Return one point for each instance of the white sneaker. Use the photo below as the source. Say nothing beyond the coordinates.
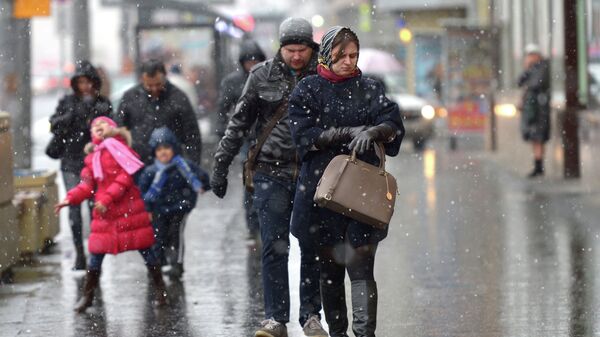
(271, 328)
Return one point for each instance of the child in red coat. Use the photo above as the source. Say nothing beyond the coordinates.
(119, 219)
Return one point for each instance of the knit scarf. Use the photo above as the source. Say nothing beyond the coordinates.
(123, 154)
(161, 177)
(329, 75)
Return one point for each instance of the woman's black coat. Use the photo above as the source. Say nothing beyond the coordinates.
(317, 104)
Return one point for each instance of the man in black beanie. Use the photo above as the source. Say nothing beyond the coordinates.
(266, 92)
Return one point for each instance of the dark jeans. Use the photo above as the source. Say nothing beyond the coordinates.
(251, 214)
(149, 259)
(71, 179)
(273, 201)
(336, 260)
(168, 231)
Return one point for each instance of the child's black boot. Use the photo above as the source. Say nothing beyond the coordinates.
(160, 290)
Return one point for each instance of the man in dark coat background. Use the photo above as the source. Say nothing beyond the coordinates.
(155, 103)
(230, 91)
(71, 124)
(535, 109)
(269, 85)
(233, 84)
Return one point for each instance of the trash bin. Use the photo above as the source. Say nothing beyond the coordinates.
(44, 183)
(6, 160)
(9, 237)
(28, 204)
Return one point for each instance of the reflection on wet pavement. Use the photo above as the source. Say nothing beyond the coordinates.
(473, 251)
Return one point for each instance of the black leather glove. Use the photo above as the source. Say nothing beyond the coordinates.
(218, 182)
(337, 136)
(365, 139)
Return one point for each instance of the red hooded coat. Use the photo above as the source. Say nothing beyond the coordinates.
(125, 225)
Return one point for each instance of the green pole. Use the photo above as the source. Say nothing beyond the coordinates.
(582, 64)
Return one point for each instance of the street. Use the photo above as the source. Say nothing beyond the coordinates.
(473, 250)
(495, 231)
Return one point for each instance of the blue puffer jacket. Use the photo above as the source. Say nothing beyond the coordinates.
(175, 192)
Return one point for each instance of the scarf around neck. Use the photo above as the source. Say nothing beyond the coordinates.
(329, 75)
(122, 153)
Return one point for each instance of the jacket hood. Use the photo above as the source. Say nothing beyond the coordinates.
(164, 135)
(85, 68)
(250, 50)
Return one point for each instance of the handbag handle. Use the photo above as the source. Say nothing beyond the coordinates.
(379, 151)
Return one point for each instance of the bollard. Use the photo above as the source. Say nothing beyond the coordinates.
(44, 183)
(9, 241)
(28, 205)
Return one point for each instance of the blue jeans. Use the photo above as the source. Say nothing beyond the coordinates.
(71, 179)
(273, 201)
(150, 259)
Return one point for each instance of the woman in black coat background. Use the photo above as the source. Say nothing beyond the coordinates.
(330, 114)
(71, 123)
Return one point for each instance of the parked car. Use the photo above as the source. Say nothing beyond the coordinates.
(417, 113)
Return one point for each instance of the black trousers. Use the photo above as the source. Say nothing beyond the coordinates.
(168, 232)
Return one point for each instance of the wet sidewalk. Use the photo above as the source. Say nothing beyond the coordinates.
(474, 250)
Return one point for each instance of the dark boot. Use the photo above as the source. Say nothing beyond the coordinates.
(89, 287)
(79, 259)
(364, 308)
(334, 307)
(160, 290)
(538, 169)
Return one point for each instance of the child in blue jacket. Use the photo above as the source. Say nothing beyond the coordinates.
(170, 189)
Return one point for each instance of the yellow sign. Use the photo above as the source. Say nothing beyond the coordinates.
(25, 9)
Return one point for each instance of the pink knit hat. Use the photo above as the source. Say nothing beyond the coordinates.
(106, 119)
(110, 122)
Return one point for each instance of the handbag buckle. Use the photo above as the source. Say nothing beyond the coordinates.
(328, 196)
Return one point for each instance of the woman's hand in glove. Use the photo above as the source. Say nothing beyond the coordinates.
(337, 136)
(365, 139)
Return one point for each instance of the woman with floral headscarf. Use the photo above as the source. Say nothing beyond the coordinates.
(333, 113)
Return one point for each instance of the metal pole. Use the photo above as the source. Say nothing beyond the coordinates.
(570, 120)
(81, 31)
(15, 78)
(492, 95)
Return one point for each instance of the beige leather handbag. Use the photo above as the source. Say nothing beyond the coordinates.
(359, 190)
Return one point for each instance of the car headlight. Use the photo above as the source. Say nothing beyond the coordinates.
(428, 112)
(505, 110)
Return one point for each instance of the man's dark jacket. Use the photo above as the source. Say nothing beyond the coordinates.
(74, 113)
(142, 114)
(269, 85)
(233, 84)
(231, 89)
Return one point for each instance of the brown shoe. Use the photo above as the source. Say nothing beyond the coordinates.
(160, 290)
(89, 287)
